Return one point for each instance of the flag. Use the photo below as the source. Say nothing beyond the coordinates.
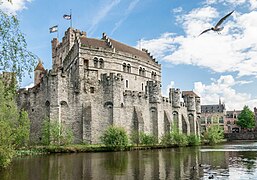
(67, 17)
(53, 29)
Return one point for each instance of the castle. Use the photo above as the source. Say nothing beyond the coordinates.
(95, 83)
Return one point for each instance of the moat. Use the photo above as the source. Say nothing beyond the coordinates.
(226, 161)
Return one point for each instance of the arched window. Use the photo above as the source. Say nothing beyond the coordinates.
(124, 67)
(140, 71)
(128, 68)
(143, 72)
(101, 63)
(95, 62)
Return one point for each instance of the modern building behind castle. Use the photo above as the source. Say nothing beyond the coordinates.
(95, 83)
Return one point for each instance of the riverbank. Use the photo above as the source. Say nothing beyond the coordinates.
(78, 148)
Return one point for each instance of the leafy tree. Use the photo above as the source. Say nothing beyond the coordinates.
(14, 126)
(246, 118)
(14, 55)
(115, 138)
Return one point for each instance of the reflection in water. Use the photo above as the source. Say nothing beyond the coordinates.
(178, 163)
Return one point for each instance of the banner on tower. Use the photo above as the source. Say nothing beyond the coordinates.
(53, 29)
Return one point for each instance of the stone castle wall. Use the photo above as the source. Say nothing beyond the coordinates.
(93, 86)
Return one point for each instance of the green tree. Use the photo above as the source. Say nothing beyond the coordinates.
(115, 138)
(14, 55)
(246, 118)
(14, 126)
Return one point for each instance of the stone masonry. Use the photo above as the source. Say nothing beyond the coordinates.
(95, 83)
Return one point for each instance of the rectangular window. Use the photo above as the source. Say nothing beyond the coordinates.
(127, 84)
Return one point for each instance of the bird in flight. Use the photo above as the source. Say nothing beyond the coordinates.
(217, 27)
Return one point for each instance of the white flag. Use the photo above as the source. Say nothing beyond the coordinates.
(67, 17)
(53, 29)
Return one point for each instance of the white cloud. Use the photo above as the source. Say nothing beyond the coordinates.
(225, 2)
(101, 14)
(158, 47)
(234, 50)
(177, 10)
(253, 4)
(223, 89)
(14, 7)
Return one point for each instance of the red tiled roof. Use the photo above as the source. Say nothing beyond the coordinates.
(40, 66)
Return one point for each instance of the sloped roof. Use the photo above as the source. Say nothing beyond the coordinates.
(40, 66)
(91, 42)
(186, 93)
(128, 49)
(212, 108)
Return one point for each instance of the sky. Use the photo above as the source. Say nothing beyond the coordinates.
(215, 66)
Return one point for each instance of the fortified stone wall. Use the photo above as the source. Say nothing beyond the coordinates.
(97, 83)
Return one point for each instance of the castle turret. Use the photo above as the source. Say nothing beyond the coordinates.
(39, 72)
(154, 91)
(198, 105)
(175, 97)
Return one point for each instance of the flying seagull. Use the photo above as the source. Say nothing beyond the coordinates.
(217, 27)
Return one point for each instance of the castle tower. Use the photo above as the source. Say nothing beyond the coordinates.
(39, 72)
(175, 97)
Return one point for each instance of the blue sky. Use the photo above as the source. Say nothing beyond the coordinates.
(214, 66)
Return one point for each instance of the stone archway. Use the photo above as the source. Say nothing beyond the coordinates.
(65, 120)
(175, 119)
(154, 120)
(191, 123)
(185, 128)
(198, 122)
(108, 112)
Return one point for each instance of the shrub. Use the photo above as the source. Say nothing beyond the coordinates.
(147, 139)
(193, 140)
(174, 138)
(213, 135)
(55, 133)
(134, 137)
(167, 139)
(115, 138)
(179, 138)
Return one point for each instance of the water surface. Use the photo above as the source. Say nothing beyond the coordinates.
(228, 161)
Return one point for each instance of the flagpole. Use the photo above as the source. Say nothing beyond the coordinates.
(70, 18)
